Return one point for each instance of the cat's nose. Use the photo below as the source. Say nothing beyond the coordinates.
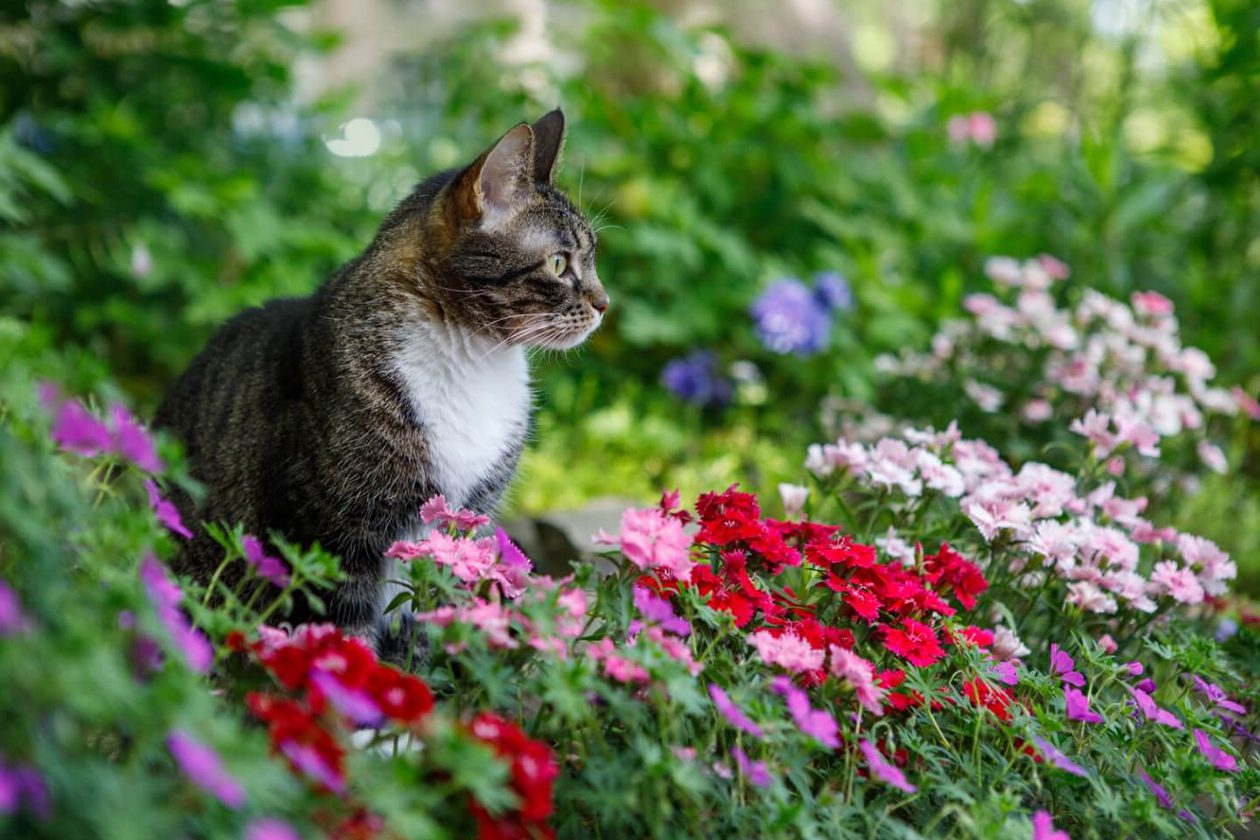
(598, 299)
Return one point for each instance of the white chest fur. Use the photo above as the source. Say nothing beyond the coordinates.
(472, 397)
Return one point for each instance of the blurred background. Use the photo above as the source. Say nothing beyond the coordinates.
(166, 164)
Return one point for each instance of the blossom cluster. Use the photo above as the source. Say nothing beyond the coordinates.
(791, 317)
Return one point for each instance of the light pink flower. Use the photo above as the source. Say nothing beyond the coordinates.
(882, 770)
(1178, 582)
(787, 650)
(1090, 598)
(436, 510)
(1151, 304)
(1006, 645)
(793, 497)
(860, 675)
(1043, 828)
(651, 540)
(1212, 457)
(817, 723)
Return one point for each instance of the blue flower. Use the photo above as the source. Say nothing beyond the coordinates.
(694, 378)
(833, 291)
(790, 319)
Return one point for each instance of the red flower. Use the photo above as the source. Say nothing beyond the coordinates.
(534, 772)
(916, 643)
(948, 568)
(403, 697)
(994, 698)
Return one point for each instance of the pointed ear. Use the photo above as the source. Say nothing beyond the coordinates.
(502, 178)
(548, 141)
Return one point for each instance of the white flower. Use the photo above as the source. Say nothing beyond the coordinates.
(793, 496)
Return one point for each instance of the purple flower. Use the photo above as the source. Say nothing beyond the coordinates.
(814, 722)
(203, 767)
(76, 430)
(1151, 711)
(165, 595)
(659, 611)
(351, 703)
(832, 291)
(1161, 795)
(270, 829)
(733, 714)
(1135, 668)
(1043, 828)
(1147, 685)
(1227, 629)
(23, 783)
(1217, 697)
(509, 554)
(1078, 706)
(132, 441)
(309, 761)
(270, 568)
(694, 379)
(1006, 672)
(12, 619)
(754, 771)
(882, 770)
(166, 511)
(1062, 666)
(1219, 759)
(1058, 759)
(790, 320)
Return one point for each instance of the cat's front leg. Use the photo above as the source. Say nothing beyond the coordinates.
(357, 606)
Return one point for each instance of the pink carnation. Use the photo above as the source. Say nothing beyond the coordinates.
(652, 540)
(860, 675)
(1180, 583)
(787, 650)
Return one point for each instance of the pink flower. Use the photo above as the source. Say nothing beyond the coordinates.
(1061, 665)
(754, 771)
(132, 441)
(1151, 304)
(77, 431)
(882, 770)
(860, 675)
(166, 511)
(1078, 706)
(1246, 403)
(659, 611)
(573, 604)
(816, 723)
(269, 568)
(651, 540)
(203, 767)
(992, 516)
(733, 714)
(1180, 583)
(1006, 645)
(1055, 268)
(12, 619)
(787, 650)
(1096, 428)
(615, 665)
(1219, 759)
(436, 510)
(793, 497)
(1212, 457)
(1090, 598)
(165, 595)
(1043, 828)
(309, 760)
(1006, 672)
(1107, 643)
(982, 128)
(270, 829)
(1058, 759)
(1151, 711)
(351, 703)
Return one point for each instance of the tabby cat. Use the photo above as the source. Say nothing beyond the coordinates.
(331, 418)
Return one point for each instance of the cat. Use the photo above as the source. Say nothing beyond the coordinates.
(333, 417)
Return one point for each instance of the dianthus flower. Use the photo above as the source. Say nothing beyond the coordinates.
(733, 714)
(203, 767)
(882, 770)
(816, 723)
(860, 675)
(787, 650)
(914, 641)
(651, 540)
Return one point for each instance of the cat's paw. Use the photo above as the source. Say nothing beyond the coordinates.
(399, 640)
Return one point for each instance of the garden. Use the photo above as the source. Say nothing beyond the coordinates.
(910, 487)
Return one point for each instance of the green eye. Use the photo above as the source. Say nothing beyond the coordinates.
(558, 263)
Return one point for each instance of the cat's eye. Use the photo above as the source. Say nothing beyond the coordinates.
(557, 263)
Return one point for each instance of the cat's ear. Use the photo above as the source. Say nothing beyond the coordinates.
(548, 142)
(501, 180)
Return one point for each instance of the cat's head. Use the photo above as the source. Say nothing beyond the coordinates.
(515, 259)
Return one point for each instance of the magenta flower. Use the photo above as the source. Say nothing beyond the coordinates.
(882, 770)
(166, 511)
(1078, 706)
(1219, 759)
(270, 829)
(349, 702)
(12, 619)
(733, 714)
(1058, 759)
(659, 611)
(1062, 665)
(754, 771)
(131, 440)
(165, 595)
(1161, 795)
(814, 722)
(22, 783)
(436, 510)
(1151, 711)
(76, 430)
(1043, 828)
(1216, 696)
(269, 568)
(203, 767)
(1006, 672)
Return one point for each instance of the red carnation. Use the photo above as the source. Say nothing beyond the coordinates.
(916, 643)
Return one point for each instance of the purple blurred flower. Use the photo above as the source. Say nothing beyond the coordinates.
(1217, 698)
(694, 379)
(1227, 629)
(351, 703)
(76, 430)
(203, 767)
(12, 619)
(1006, 672)
(1043, 828)
(270, 829)
(165, 595)
(1078, 706)
(1147, 685)
(734, 714)
(882, 770)
(166, 511)
(790, 319)
(1220, 759)
(659, 611)
(814, 722)
(1062, 666)
(270, 568)
(754, 771)
(309, 761)
(23, 783)
(1161, 795)
(1151, 711)
(833, 291)
(509, 553)
(132, 441)
(1058, 759)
